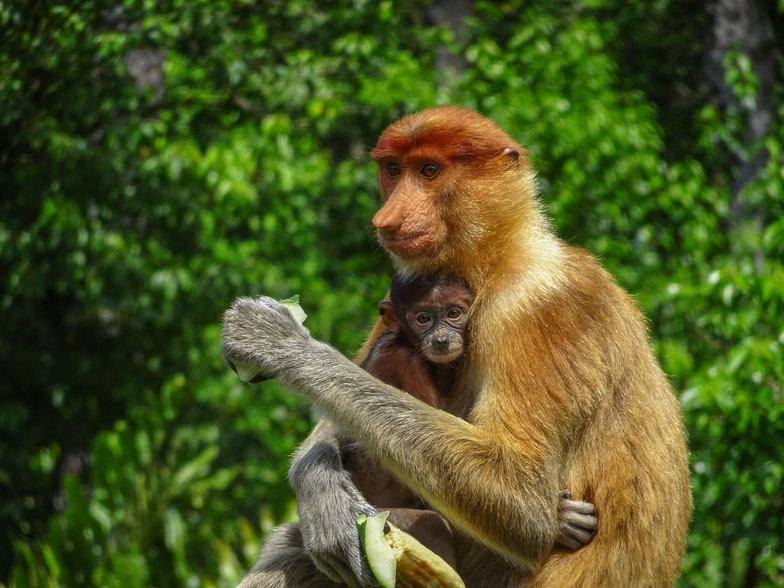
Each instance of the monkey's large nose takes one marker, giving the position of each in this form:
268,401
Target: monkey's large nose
389,218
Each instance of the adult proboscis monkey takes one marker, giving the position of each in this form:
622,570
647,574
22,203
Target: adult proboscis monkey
562,389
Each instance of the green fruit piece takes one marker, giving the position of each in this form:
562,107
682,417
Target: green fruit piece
245,371
294,308
378,552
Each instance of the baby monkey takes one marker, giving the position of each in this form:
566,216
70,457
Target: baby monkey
427,322
421,352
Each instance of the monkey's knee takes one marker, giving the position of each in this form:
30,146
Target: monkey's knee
283,563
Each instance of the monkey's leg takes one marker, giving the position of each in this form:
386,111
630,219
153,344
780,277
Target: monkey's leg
283,563
328,503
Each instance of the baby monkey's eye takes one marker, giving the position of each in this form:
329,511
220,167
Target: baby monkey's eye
429,170
454,313
393,169
423,318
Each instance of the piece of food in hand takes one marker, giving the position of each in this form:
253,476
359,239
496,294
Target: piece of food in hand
294,308
245,371
398,560
378,552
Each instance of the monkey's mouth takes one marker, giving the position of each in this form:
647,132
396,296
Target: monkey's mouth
442,356
399,242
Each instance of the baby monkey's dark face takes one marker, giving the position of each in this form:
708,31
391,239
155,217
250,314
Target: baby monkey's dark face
440,330
431,313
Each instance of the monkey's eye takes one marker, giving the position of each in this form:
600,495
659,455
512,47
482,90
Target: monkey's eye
454,313
393,169
429,170
423,318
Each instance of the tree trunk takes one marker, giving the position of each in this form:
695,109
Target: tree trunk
451,13
744,26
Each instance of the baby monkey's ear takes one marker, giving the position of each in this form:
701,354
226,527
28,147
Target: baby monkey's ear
388,314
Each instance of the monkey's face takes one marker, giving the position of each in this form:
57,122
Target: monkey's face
453,188
409,223
439,330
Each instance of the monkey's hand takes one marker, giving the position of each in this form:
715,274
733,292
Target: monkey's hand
261,337
328,504
577,521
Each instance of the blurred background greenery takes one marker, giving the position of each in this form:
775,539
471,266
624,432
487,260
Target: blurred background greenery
159,158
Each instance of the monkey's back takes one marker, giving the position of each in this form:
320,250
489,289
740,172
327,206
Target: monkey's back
585,357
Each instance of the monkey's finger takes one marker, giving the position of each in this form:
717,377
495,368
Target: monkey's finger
339,571
357,575
362,574
583,536
570,542
587,522
329,570
579,506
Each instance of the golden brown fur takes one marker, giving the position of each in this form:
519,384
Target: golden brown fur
561,371
559,384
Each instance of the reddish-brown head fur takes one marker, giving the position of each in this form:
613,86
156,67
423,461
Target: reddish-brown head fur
451,131
437,168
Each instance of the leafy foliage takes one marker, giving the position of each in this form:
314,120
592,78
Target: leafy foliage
159,159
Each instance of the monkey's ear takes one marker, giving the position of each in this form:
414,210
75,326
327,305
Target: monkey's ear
511,152
387,314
